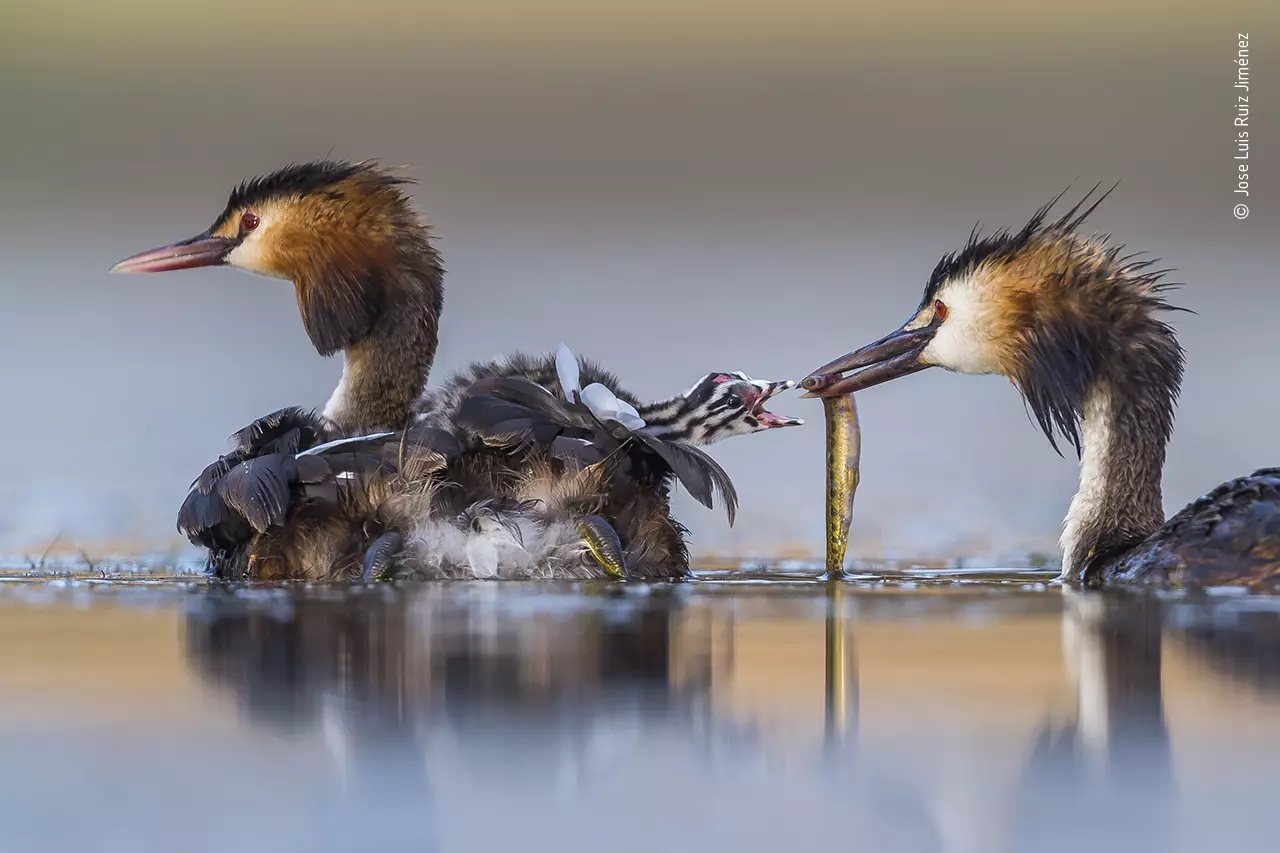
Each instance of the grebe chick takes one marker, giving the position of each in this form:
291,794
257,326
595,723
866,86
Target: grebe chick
369,284
580,468
554,520
1074,323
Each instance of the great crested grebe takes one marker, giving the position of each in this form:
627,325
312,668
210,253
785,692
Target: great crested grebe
1073,322
369,283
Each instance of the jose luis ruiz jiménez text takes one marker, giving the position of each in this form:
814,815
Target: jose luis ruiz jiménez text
1242,114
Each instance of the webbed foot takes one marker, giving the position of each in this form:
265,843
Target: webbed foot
379,560
602,542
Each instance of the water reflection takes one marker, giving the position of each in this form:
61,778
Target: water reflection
538,691
840,684
398,663
1109,767
969,717
550,688
464,659
547,691
1239,638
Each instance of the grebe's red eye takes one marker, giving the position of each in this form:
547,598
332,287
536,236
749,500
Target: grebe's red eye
248,222
940,310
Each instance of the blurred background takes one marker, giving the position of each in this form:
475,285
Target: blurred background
668,187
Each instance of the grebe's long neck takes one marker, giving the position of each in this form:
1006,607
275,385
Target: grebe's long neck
386,369
1126,423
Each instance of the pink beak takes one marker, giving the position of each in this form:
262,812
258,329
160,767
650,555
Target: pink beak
199,251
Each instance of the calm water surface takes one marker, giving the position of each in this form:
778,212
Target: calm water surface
923,713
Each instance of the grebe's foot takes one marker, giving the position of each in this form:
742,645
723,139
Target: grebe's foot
379,560
603,544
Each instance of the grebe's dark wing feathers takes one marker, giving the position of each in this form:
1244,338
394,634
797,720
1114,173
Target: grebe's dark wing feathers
522,392
283,462
697,472
213,473
205,519
1230,535
201,514
257,489
323,493
511,410
288,430
422,437
498,398
276,462
219,513
499,422
504,410
485,410
720,480
421,449
580,450
310,469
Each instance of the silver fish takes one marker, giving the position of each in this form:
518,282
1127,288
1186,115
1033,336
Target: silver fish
844,456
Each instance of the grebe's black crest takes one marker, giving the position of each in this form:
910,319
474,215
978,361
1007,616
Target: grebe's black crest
1102,306
1007,243
1067,304
303,179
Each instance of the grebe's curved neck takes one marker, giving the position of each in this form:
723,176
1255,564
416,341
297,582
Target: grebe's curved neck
385,369
1125,426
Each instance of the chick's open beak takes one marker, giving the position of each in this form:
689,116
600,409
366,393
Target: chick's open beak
767,418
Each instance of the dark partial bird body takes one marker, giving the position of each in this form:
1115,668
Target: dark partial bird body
291,501
392,479
1074,323
1229,536
526,444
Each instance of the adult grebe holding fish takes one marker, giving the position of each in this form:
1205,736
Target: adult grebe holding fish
1074,321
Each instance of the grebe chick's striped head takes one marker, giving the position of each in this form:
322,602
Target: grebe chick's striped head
1049,308
720,405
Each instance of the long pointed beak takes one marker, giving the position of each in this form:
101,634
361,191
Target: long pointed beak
199,251
768,419
896,354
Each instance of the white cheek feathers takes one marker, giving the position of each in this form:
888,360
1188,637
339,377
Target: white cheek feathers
959,348
963,342
251,255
